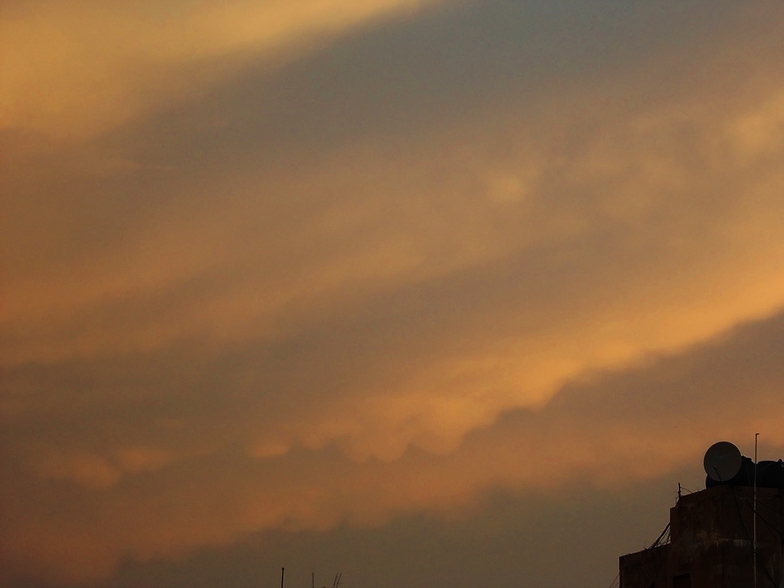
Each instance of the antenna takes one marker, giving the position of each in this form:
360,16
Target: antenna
754,544
722,461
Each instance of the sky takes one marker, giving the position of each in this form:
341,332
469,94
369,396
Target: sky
427,292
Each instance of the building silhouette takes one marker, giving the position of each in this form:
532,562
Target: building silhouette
710,541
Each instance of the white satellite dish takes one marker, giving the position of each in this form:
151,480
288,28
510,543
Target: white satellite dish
722,461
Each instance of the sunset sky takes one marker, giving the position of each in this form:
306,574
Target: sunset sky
433,293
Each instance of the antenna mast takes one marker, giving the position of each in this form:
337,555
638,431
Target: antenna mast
754,543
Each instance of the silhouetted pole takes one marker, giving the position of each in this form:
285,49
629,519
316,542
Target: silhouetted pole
282,573
754,542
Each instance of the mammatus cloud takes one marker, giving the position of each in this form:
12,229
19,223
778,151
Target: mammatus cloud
216,321
617,428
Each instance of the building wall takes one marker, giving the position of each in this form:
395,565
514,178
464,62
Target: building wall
711,543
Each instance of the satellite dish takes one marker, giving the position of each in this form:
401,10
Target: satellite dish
722,461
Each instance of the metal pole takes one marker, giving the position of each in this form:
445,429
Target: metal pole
754,544
282,573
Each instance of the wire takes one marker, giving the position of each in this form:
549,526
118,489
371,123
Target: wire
661,540
615,582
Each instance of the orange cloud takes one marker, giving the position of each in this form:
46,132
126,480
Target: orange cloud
76,69
619,247
216,320
635,424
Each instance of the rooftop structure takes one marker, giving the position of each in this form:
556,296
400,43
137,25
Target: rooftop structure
712,539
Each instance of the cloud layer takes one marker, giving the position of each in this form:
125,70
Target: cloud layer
76,69
485,247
